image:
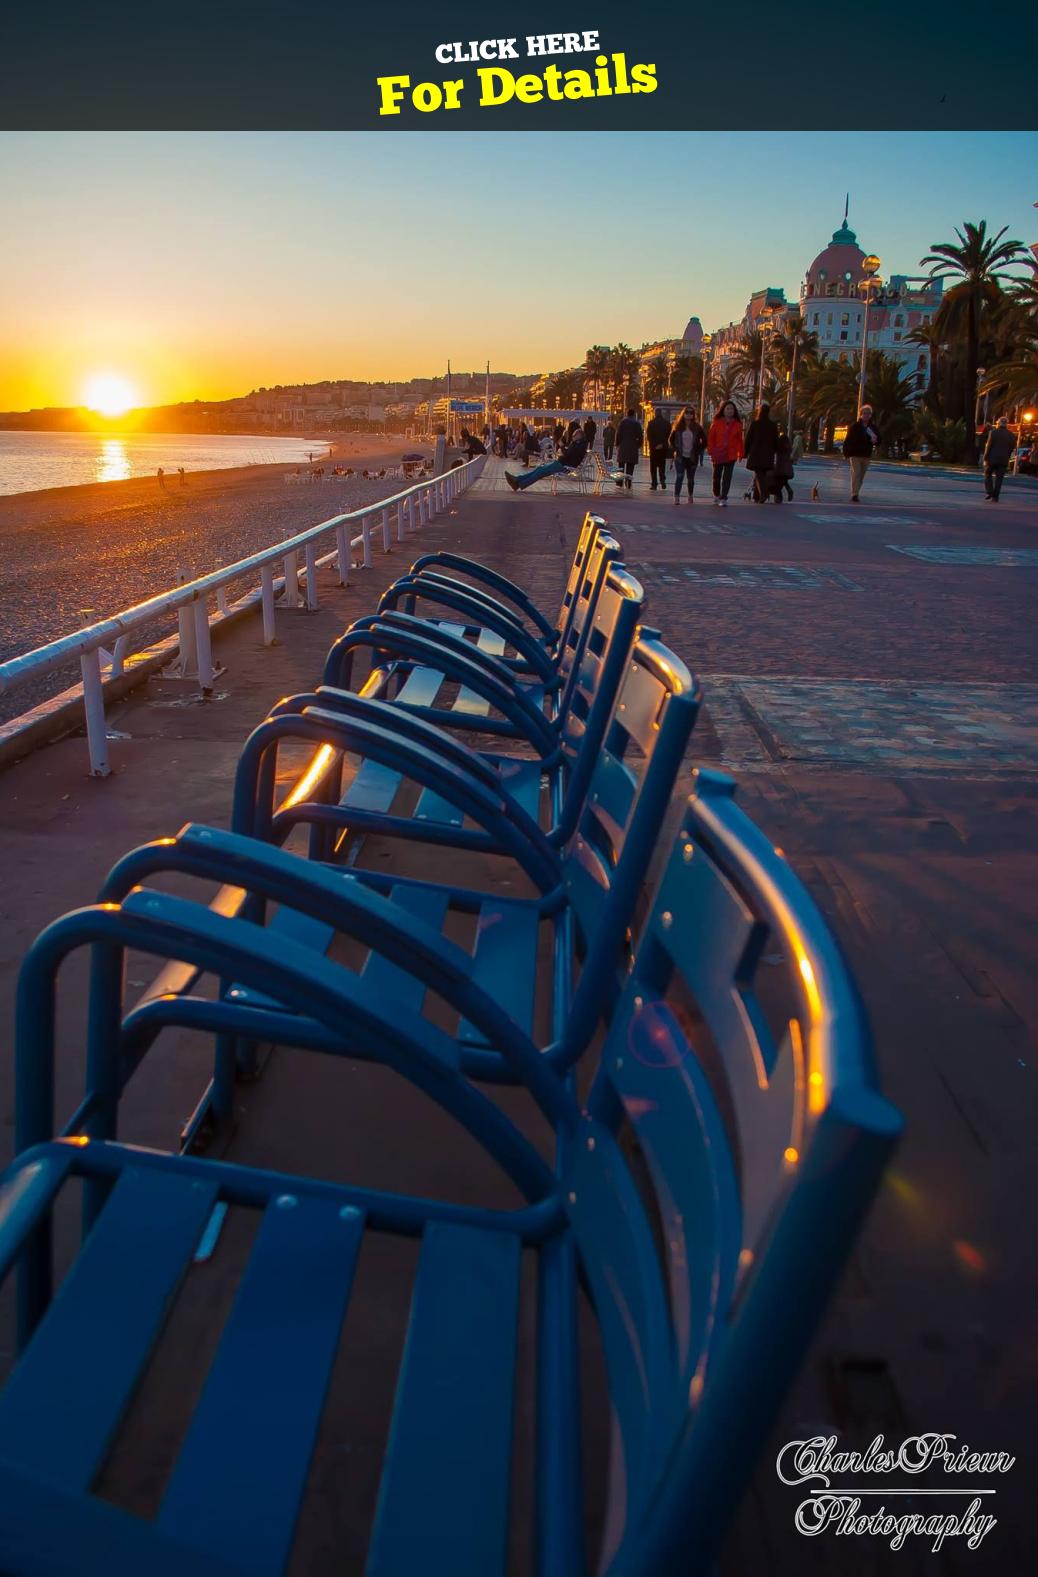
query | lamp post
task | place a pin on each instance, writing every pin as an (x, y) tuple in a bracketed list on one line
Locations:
[(791, 401), (871, 282), (765, 329), (705, 350), (981, 373), (1024, 419)]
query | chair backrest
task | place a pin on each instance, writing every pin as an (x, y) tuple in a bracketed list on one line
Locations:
[(740, 1056), (629, 788), (596, 675), (603, 550), (590, 527)]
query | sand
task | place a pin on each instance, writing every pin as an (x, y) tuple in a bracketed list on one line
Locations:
[(73, 555)]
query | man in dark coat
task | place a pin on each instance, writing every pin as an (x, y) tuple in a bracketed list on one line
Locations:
[(569, 459), (658, 434), (608, 440), (590, 429), (629, 440), (862, 438), (761, 443), (998, 451)]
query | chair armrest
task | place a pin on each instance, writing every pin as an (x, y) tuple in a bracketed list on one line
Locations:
[(394, 743), (500, 583)]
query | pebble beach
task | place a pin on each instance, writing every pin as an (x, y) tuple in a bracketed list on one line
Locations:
[(73, 555)]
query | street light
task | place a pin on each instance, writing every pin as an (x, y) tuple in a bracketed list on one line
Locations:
[(981, 372), (1024, 419), (705, 348), (870, 267), (767, 324)]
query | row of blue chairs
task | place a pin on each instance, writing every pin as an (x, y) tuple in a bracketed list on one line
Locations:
[(709, 1132)]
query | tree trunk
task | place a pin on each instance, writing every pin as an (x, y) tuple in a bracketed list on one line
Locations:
[(969, 410)]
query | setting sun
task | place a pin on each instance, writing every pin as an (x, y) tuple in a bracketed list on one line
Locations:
[(110, 395)]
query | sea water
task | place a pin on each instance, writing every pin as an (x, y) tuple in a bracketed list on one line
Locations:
[(29, 461)]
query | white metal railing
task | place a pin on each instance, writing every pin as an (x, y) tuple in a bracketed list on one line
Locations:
[(103, 648)]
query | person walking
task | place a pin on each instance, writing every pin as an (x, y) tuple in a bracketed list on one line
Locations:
[(687, 442), (608, 439), (761, 444), (569, 459), (781, 474), (998, 451), (725, 445), (629, 440), (862, 438), (658, 435), (590, 429)]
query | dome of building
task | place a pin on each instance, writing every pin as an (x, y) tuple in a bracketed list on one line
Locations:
[(693, 335), (837, 270)]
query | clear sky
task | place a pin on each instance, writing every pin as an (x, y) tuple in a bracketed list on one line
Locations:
[(200, 265)]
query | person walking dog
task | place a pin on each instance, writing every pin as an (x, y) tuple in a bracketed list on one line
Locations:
[(725, 446), (862, 438), (761, 445), (998, 451), (687, 442)]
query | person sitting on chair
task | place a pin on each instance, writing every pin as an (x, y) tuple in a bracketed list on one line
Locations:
[(571, 457)]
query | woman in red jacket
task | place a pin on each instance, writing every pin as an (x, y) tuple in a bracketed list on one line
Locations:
[(725, 446)]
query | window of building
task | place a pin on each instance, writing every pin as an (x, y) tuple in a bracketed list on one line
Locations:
[(843, 334), (899, 321), (897, 336), (815, 319), (845, 319), (829, 318)]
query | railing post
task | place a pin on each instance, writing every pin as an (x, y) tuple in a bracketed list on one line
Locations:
[(267, 600), (365, 527), (94, 709), (203, 647), (342, 554), (400, 520), (310, 552), (290, 597), (387, 540)]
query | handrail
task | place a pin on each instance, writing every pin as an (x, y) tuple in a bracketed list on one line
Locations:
[(87, 643)]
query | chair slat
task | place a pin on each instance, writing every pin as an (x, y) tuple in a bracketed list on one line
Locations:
[(383, 978), (240, 1477), (60, 1409), (506, 962), (443, 1503), (468, 702), (47, 1531)]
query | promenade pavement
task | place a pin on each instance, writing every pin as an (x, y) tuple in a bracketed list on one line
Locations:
[(871, 679)]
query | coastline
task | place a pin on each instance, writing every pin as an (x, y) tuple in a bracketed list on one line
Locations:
[(356, 449), (80, 553)]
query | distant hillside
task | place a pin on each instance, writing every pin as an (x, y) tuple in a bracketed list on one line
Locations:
[(333, 403)]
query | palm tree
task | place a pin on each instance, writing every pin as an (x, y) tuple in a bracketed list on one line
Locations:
[(657, 377), (596, 367), (791, 347), (929, 337), (623, 367), (724, 386), (979, 264)]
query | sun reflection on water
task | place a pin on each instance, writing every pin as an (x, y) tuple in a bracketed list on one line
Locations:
[(113, 463)]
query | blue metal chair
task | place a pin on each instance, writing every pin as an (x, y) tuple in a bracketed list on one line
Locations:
[(764, 1147), (493, 596), (565, 749), (578, 922), (539, 675)]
